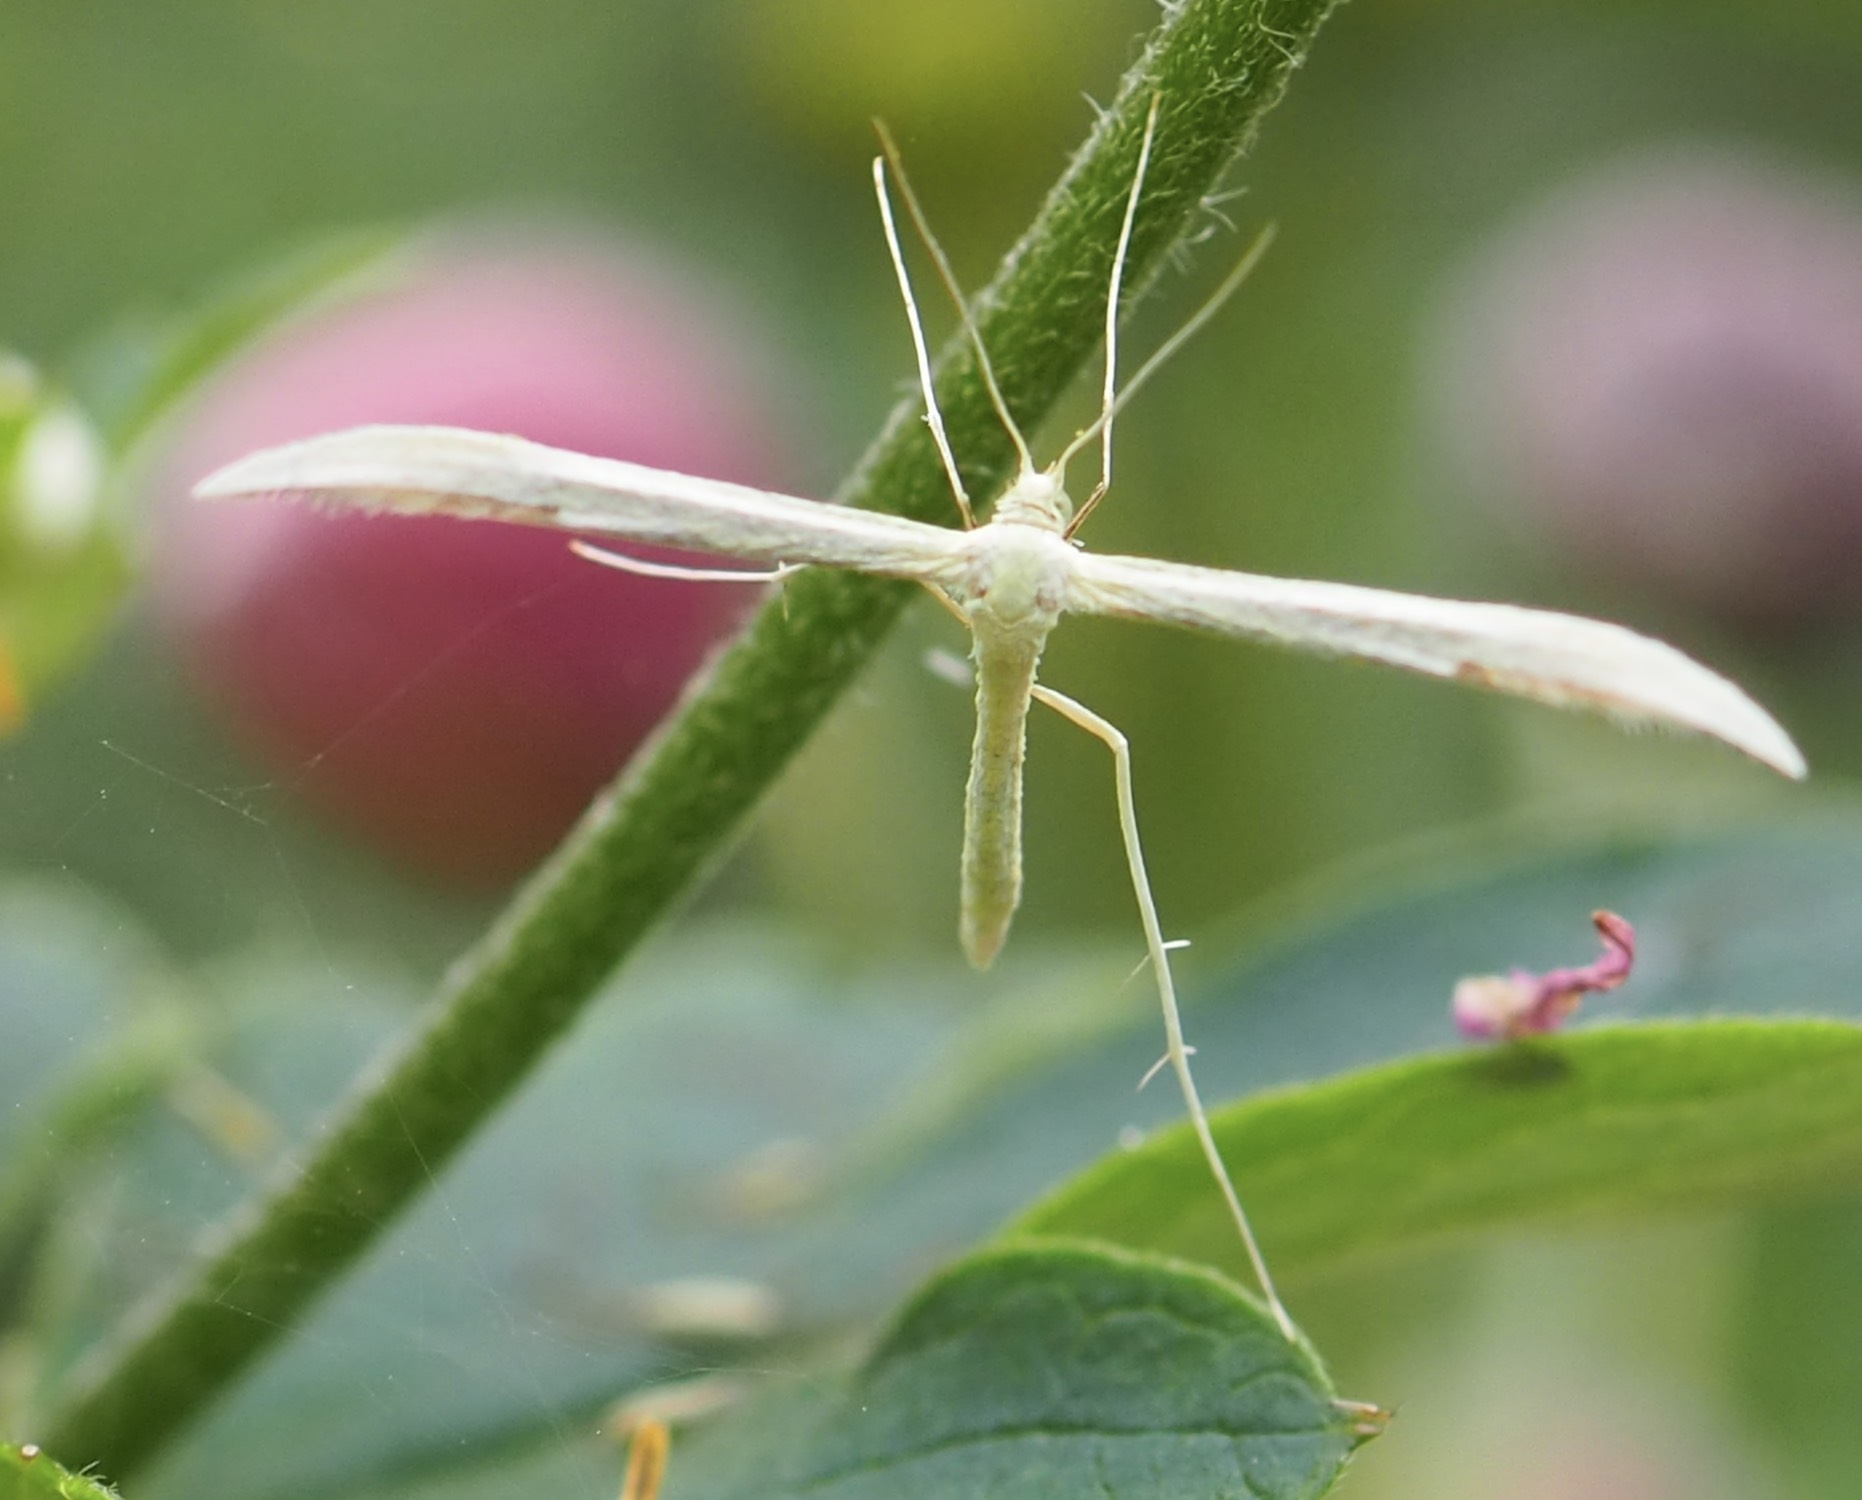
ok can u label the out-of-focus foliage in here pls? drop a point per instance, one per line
(62, 567)
(151, 155)
(27, 1474)
(784, 1150)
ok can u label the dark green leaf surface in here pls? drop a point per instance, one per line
(27, 1474)
(91, 1039)
(1613, 1123)
(499, 1313)
(1043, 1370)
(69, 969)
(515, 1303)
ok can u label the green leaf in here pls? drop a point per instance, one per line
(27, 1474)
(139, 372)
(1049, 1369)
(1617, 1122)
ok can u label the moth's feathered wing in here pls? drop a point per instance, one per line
(450, 471)
(1555, 658)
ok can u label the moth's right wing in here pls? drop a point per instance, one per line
(1564, 660)
(480, 475)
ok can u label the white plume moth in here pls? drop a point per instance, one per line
(1010, 579)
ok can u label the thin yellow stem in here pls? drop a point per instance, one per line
(646, 1461)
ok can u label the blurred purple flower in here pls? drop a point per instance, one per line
(1661, 368)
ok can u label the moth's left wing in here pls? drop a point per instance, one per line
(480, 475)
(1560, 659)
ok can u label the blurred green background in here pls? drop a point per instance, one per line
(148, 155)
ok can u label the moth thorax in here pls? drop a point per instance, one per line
(1036, 499)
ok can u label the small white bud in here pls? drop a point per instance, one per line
(57, 478)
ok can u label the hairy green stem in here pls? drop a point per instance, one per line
(1216, 66)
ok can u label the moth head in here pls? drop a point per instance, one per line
(1036, 499)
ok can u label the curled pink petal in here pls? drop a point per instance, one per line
(1522, 1003)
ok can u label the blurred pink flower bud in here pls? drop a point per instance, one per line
(456, 693)
(1522, 1003)
(1661, 370)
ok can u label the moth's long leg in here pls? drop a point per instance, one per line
(949, 279)
(1115, 741)
(640, 567)
(1110, 393)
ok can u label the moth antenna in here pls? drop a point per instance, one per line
(934, 418)
(1192, 326)
(1112, 304)
(948, 277)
